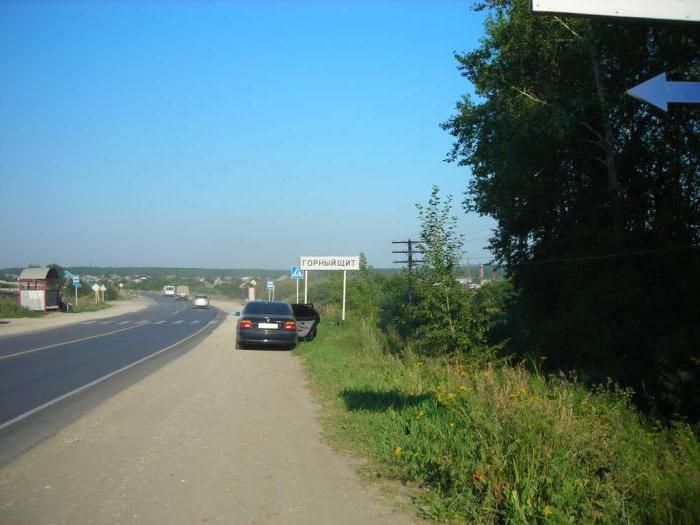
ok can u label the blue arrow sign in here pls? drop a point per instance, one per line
(661, 92)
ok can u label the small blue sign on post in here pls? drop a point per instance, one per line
(76, 281)
(270, 285)
(297, 274)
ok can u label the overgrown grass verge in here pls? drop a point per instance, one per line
(10, 308)
(500, 444)
(89, 306)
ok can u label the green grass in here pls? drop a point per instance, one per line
(500, 445)
(10, 308)
(89, 305)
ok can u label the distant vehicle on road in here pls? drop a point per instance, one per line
(267, 323)
(307, 320)
(200, 301)
(182, 292)
(169, 291)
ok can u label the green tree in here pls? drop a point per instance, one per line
(597, 196)
(442, 316)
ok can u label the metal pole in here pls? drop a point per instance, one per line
(306, 286)
(297, 280)
(345, 279)
(76, 295)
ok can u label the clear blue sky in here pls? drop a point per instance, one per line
(225, 134)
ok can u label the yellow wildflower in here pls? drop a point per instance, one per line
(547, 511)
(397, 451)
(420, 414)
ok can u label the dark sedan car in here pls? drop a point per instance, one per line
(267, 323)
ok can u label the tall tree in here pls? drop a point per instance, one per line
(597, 196)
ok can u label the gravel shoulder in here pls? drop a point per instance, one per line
(216, 435)
(24, 325)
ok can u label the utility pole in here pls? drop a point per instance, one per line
(410, 251)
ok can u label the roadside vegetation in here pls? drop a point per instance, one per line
(499, 443)
(10, 308)
(427, 390)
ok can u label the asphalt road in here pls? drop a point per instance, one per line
(41, 369)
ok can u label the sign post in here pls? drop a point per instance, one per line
(96, 288)
(270, 291)
(343, 263)
(345, 286)
(103, 289)
(76, 285)
(297, 275)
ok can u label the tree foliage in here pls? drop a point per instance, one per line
(597, 196)
(441, 318)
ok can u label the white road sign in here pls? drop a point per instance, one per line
(103, 288)
(326, 262)
(95, 287)
(685, 10)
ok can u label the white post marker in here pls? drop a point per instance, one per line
(306, 287)
(343, 263)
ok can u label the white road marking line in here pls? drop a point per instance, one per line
(178, 322)
(23, 352)
(88, 322)
(161, 322)
(124, 322)
(106, 322)
(194, 322)
(98, 380)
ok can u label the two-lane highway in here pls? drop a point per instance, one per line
(38, 370)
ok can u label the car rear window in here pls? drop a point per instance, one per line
(268, 308)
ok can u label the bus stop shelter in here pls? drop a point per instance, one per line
(40, 289)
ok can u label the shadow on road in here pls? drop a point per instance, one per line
(381, 401)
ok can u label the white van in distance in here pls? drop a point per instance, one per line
(169, 291)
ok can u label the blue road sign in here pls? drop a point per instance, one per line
(270, 285)
(297, 274)
(76, 283)
(661, 92)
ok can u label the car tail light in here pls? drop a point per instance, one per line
(290, 325)
(246, 323)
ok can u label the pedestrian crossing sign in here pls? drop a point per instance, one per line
(297, 274)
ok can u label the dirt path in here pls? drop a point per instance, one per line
(23, 325)
(215, 436)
